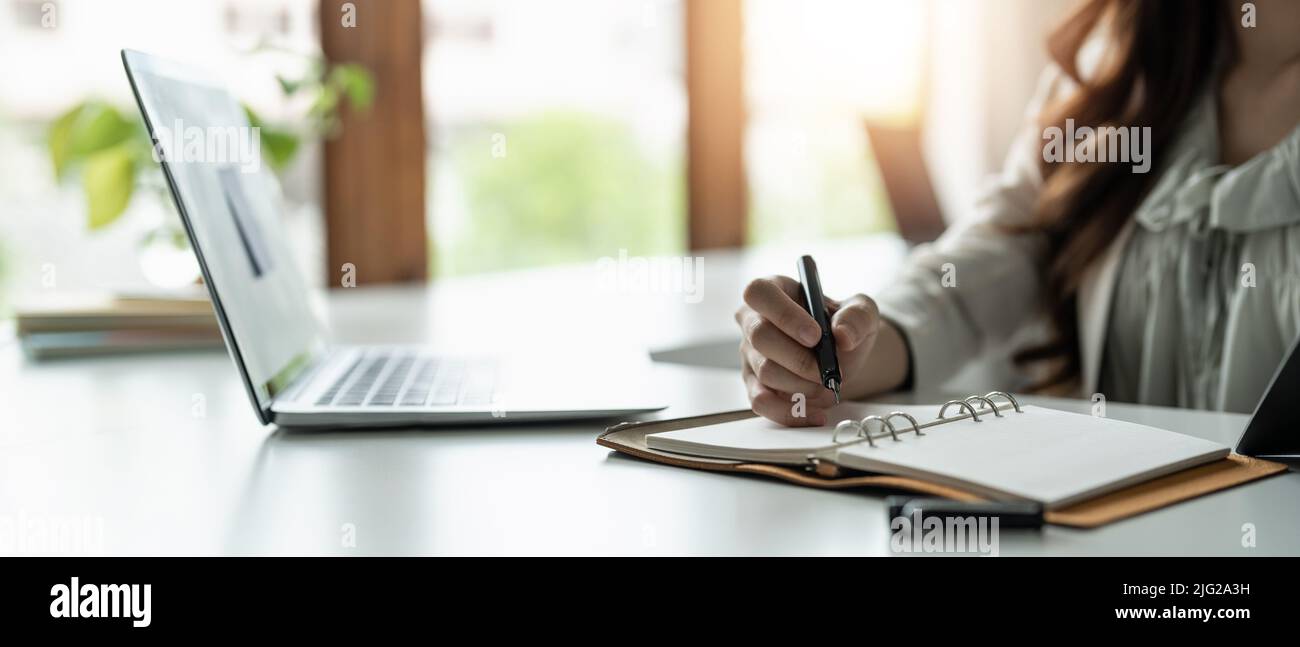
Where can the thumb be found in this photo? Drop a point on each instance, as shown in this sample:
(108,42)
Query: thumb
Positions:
(856,322)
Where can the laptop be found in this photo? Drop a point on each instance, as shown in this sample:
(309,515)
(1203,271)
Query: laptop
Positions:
(1274,429)
(294,375)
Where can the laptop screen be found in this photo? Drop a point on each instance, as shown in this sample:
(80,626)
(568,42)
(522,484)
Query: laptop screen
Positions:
(229,202)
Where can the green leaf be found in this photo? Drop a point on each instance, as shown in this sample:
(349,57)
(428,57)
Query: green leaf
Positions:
(289,86)
(279,146)
(109,181)
(326,102)
(356,82)
(254,119)
(87,129)
(60,136)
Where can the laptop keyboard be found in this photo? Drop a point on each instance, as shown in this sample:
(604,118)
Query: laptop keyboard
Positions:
(385,379)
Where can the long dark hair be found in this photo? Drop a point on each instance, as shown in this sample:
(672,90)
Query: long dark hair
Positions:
(1158,55)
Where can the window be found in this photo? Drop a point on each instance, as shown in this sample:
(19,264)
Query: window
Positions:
(816,71)
(558,131)
(58,54)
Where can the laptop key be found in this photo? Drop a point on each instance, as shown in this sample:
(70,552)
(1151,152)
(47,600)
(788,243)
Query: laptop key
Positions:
(410,381)
(445,396)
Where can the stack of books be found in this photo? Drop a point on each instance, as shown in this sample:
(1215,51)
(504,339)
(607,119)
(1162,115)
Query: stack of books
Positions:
(83,325)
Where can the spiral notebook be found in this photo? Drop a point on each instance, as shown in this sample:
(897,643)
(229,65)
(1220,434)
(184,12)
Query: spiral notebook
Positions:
(987,446)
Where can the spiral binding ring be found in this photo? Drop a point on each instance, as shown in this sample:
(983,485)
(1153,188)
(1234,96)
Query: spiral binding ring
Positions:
(916,426)
(962,404)
(1003,394)
(983,401)
(862,431)
(884,421)
(846,424)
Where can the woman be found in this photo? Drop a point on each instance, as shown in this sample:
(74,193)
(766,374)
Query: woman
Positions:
(1179,286)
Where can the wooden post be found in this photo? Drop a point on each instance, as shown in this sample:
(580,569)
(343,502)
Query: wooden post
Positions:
(716,181)
(375,170)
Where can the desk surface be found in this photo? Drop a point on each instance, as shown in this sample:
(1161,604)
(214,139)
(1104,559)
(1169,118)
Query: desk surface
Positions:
(162,455)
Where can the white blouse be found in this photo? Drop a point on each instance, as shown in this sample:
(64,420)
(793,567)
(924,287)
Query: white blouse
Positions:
(1167,314)
(1208,291)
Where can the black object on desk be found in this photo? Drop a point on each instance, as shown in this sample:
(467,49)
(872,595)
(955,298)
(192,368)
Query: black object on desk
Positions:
(1010,514)
(1269,434)
(827,362)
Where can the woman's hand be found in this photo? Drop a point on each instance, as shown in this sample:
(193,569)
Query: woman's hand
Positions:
(778,364)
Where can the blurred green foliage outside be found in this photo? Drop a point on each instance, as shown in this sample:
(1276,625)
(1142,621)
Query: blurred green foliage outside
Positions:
(560,187)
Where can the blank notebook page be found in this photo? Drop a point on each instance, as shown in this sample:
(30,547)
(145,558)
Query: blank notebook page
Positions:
(1053,457)
(760,439)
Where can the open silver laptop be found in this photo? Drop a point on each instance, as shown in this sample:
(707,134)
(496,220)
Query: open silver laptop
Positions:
(294,376)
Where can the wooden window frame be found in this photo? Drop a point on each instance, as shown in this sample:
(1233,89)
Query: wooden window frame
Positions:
(717,186)
(374,171)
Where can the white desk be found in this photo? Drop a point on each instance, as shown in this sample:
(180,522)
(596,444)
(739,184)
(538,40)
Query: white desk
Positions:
(112,443)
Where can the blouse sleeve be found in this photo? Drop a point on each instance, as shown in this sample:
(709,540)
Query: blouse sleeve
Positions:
(978,283)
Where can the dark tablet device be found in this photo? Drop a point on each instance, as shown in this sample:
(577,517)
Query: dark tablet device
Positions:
(1274,430)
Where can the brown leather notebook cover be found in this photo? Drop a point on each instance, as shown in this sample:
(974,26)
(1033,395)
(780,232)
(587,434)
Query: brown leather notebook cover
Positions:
(629,438)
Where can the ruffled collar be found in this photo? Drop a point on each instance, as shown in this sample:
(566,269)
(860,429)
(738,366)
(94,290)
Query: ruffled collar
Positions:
(1261,193)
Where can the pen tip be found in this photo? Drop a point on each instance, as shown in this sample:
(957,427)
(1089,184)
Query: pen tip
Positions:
(834,386)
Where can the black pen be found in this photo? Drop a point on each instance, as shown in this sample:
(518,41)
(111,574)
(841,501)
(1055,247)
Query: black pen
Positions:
(815,303)
(1010,514)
